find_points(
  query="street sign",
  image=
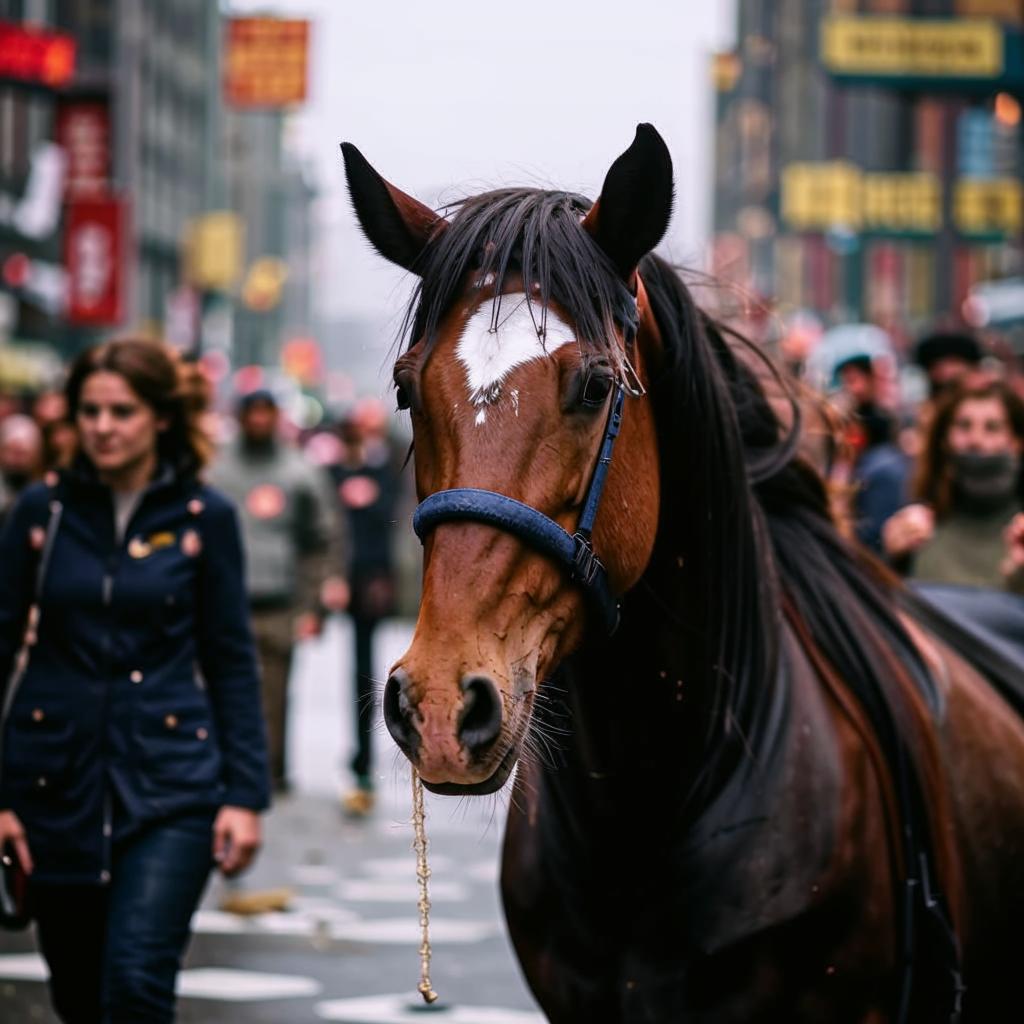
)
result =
(83, 132)
(32, 56)
(213, 245)
(941, 54)
(988, 206)
(836, 194)
(265, 62)
(94, 241)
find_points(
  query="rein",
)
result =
(574, 552)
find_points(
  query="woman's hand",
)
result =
(907, 530)
(237, 835)
(11, 831)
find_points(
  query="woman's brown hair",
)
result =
(175, 390)
(933, 482)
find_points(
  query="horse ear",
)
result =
(398, 226)
(635, 205)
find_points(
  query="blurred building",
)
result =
(134, 193)
(274, 198)
(868, 156)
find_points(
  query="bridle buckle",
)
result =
(586, 564)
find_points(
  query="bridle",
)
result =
(574, 552)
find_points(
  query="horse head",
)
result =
(527, 330)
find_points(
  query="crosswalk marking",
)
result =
(233, 985)
(385, 891)
(23, 967)
(406, 1009)
(406, 930)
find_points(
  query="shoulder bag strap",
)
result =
(34, 614)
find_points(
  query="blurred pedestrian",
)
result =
(880, 469)
(293, 546)
(60, 440)
(21, 458)
(367, 486)
(966, 526)
(134, 756)
(947, 358)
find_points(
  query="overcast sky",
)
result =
(450, 97)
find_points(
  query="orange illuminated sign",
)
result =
(265, 61)
(35, 57)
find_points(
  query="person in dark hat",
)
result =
(293, 545)
(880, 469)
(947, 357)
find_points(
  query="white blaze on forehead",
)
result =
(489, 357)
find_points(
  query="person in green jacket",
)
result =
(967, 525)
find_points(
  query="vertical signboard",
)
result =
(83, 132)
(94, 258)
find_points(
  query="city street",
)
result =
(346, 950)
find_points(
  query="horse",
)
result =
(755, 779)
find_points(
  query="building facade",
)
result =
(868, 156)
(131, 197)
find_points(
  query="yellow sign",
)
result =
(818, 196)
(984, 206)
(909, 48)
(837, 194)
(263, 283)
(726, 69)
(213, 247)
(265, 61)
(902, 203)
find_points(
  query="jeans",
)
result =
(114, 951)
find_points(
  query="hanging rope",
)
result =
(419, 844)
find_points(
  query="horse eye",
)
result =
(595, 390)
(402, 397)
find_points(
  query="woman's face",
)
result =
(981, 426)
(117, 429)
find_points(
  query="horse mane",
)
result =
(752, 515)
(844, 603)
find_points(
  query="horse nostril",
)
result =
(480, 720)
(398, 712)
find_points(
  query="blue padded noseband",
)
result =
(573, 551)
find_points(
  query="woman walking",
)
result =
(133, 753)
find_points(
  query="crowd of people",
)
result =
(937, 491)
(156, 584)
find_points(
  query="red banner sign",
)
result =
(29, 54)
(95, 236)
(265, 61)
(83, 132)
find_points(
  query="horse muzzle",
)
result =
(459, 743)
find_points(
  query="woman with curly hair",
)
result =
(133, 755)
(967, 525)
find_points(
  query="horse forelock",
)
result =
(535, 237)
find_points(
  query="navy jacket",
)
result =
(141, 695)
